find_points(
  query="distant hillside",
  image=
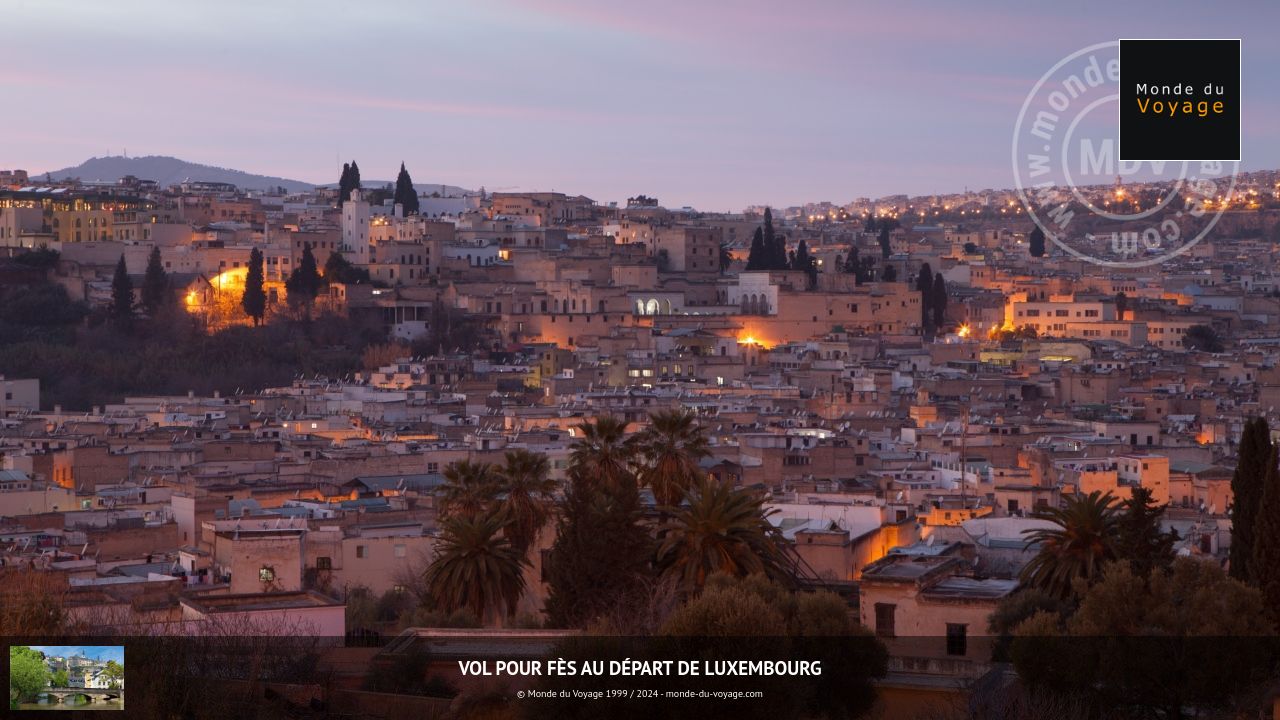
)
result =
(170, 171)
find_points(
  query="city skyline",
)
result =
(681, 102)
(101, 653)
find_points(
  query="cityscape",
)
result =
(362, 445)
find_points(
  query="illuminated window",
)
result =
(267, 574)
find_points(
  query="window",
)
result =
(360, 551)
(267, 574)
(324, 563)
(399, 551)
(957, 639)
(884, 619)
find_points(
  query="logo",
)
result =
(1087, 200)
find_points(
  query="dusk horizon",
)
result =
(563, 359)
(820, 101)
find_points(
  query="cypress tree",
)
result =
(782, 258)
(405, 195)
(121, 307)
(802, 258)
(775, 248)
(1265, 564)
(851, 262)
(1141, 541)
(355, 176)
(756, 259)
(889, 274)
(155, 284)
(1036, 242)
(939, 300)
(344, 183)
(1246, 488)
(885, 249)
(254, 300)
(924, 285)
(304, 282)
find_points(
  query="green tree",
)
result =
(728, 610)
(671, 448)
(155, 284)
(349, 181)
(526, 496)
(774, 245)
(254, 299)
(121, 307)
(720, 529)
(1246, 489)
(602, 555)
(59, 679)
(924, 285)
(1122, 303)
(890, 273)
(970, 249)
(470, 488)
(1083, 541)
(338, 269)
(1265, 567)
(723, 621)
(1035, 242)
(1202, 337)
(1189, 637)
(114, 673)
(406, 196)
(938, 300)
(27, 673)
(756, 259)
(1140, 540)
(476, 567)
(304, 283)
(41, 256)
(886, 249)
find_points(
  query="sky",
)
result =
(708, 103)
(93, 652)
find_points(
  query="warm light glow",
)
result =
(964, 331)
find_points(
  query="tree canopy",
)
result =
(406, 196)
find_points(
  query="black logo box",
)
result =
(1186, 65)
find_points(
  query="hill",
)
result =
(168, 171)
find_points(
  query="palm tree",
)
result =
(476, 566)
(602, 454)
(1083, 541)
(671, 447)
(469, 488)
(526, 495)
(720, 529)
